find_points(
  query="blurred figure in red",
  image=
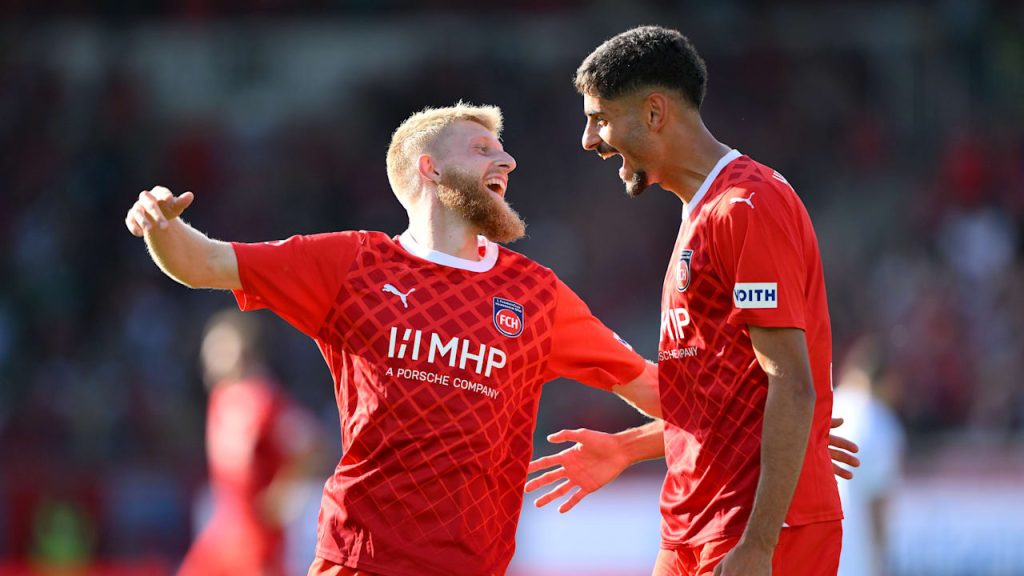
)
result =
(259, 443)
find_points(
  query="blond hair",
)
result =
(419, 132)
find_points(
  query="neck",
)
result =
(437, 228)
(692, 153)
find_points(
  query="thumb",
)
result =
(836, 422)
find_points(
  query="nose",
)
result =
(590, 140)
(507, 161)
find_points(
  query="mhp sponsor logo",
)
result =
(508, 317)
(756, 295)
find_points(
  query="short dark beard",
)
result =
(637, 184)
(464, 194)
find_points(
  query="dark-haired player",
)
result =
(438, 341)
(746, 348)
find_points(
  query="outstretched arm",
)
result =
(182, 252)
(642, 392)
(596, 459)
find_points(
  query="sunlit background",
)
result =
(901, 125)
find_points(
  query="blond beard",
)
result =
(462, 193)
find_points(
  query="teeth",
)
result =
(495, 182)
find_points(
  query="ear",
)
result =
(427, 169)
(656, 110)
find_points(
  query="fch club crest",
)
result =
(683, 270)
(508, 317)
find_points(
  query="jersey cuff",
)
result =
(742, 319)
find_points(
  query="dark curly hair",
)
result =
(644, 56)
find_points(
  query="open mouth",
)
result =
(496, 185)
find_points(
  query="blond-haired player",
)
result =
(438, 341)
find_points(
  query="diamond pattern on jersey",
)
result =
(428, 466)
(713, 416)
(712, 389)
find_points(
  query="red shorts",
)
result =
(809, 550)
(321, 567)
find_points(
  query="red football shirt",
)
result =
(252, 432)
(746, 254)
(249, 437)
(438, 364)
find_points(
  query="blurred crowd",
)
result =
(899, 125)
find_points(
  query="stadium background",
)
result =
(899, 123)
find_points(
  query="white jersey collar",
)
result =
(689, 207)
(488, 261)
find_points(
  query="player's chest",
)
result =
(693, 278)
(421, 314)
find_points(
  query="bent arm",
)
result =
(182, 252)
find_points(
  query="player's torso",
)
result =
(440, 350)
(439, 373)
(702, 358)
(712, 389)
(242, 462)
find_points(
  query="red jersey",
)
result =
(248, 437)
(252, 432)
(746, 254)
(437, 364)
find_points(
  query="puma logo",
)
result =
(746, 200)
(392, 290)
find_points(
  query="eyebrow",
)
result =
(488, 140)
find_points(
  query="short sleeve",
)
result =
(585, 350)
(297, 278)
(760, 246)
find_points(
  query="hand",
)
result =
(594, 461)
(836, 447)
(746, 560)
(156, 208)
